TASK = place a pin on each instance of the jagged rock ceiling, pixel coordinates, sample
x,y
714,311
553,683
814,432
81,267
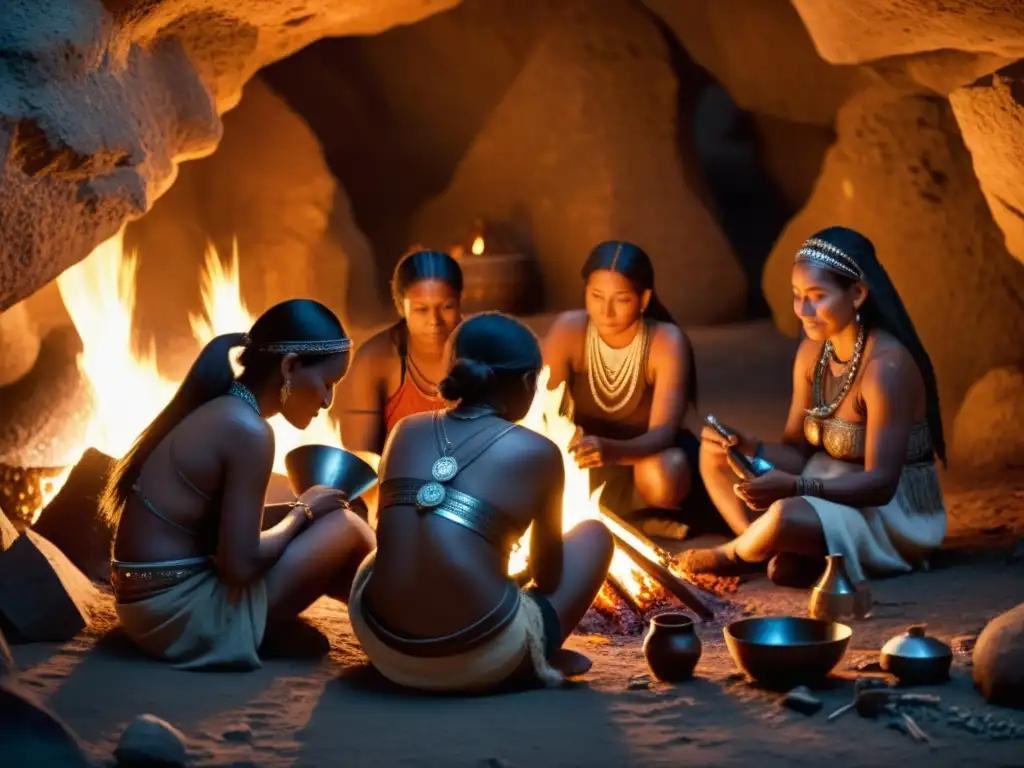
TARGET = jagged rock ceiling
x,y
100,102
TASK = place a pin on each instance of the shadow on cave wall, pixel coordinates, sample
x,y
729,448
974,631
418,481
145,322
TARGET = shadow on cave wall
x,y
397,112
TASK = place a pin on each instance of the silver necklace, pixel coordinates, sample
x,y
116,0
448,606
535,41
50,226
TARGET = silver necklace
x,y
243,393
614,374
821,409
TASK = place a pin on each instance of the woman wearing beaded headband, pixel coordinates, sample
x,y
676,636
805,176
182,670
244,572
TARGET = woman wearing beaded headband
x,y
631,377
395,373
195,577
855,471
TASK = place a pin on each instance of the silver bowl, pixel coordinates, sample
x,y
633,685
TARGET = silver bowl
x,y
310,465
785,651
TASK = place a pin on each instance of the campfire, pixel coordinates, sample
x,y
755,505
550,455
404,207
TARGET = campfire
x,y
128,391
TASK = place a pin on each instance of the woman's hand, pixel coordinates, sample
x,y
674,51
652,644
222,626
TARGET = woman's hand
x,y
761,492
320,499
746,445
590,452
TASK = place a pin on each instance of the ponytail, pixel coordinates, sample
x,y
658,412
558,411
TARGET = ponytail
x,y
209,377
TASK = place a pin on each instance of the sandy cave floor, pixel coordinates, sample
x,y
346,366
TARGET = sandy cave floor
x,y
326,710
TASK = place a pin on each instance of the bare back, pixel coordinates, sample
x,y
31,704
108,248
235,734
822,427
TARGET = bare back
x,y
184,479
433,577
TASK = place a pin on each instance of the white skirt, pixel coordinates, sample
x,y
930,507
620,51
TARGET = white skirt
x,y
887,540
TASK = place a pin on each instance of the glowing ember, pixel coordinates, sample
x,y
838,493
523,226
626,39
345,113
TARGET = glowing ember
x,y
478,246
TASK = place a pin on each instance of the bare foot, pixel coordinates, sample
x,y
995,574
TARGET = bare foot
x,y
717,561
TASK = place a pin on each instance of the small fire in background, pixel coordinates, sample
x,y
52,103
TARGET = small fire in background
x,y
477,248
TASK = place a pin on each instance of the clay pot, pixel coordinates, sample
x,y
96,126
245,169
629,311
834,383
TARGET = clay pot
x,y
835,598
672,648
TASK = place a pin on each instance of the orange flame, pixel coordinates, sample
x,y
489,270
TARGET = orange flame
x,y
478,246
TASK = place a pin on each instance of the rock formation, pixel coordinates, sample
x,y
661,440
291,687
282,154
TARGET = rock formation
x,y
999,659
900,174
583,145
986,433
101,100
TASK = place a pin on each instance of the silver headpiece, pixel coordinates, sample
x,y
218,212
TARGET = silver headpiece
x,y
330,347
826,255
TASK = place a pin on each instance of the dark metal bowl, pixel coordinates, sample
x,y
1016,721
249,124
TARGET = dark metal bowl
x,y
310,465
784,651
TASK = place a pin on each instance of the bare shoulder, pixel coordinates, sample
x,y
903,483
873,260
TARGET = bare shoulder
x,y
568,324
236,425
668,339
889,364
377,351
538,452
807,356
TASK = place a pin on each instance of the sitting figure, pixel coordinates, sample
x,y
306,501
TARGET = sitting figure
x,y
631,377
395,373
434,607
195,578
855,473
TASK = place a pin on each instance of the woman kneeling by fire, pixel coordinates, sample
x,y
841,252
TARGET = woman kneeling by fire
x,y
434,607
855,473
195,577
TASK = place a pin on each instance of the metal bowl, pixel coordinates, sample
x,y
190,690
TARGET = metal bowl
x,y
784,651
310,465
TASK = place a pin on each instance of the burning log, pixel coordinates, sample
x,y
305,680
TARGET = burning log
x,y
624,594
658,568
72,520
664,576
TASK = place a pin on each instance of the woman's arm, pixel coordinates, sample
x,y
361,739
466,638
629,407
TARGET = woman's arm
x,y
669,356
791,454
888,390
562,337
362,401
244,551
545,561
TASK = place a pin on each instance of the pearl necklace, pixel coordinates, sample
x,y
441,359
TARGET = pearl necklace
x,y
615,373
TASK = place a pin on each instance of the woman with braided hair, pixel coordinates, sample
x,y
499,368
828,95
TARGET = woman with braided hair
x,y
195,577
855,471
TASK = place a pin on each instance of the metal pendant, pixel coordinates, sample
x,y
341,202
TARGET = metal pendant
x,y
444,469
430,495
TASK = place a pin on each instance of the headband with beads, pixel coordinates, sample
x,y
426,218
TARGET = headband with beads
x,y
329,347
830,257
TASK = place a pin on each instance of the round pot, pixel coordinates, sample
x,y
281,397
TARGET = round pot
x,y
672,648
915,658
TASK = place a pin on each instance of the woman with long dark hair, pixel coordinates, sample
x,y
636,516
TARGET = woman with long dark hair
x,y
632,379
396,373
195,577
434,607
855,472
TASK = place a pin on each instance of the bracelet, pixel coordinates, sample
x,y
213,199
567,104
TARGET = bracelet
x,y
809,486
306,509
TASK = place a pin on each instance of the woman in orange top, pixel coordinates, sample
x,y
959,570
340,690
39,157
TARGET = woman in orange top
x,y
395,374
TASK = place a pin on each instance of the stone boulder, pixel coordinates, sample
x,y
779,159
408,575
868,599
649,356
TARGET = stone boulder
x,y
267,190
852,33
986,433
584,146
148,740
990,113
762,55
19,340
999,659
30,734
900,174
102,100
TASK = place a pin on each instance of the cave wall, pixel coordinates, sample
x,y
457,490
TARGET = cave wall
x,y
101,100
